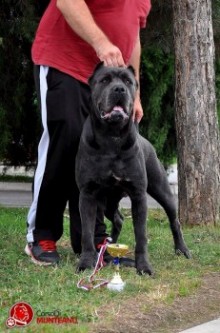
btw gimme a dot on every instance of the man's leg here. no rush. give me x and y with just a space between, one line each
59 100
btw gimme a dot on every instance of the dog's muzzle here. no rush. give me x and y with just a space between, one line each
118 112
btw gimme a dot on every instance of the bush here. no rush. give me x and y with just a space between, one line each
19 116
157 94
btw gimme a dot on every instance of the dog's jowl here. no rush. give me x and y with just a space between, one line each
113 160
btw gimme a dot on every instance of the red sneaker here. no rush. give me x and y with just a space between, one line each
43 252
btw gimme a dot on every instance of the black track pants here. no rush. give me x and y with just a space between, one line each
64 103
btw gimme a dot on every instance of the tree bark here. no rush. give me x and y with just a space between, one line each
196 115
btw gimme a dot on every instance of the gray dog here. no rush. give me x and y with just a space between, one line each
113 160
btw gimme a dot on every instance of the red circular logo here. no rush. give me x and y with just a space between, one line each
20 314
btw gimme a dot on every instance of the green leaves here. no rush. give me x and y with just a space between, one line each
157 95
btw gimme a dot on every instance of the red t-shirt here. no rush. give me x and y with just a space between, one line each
56 45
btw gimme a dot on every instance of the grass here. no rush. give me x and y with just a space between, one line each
16 179
48 289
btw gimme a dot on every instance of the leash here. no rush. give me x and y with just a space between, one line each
91 282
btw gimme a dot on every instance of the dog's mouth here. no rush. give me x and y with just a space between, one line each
117 112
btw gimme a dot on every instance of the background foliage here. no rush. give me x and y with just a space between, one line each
18 114
19 117
157 91
157 77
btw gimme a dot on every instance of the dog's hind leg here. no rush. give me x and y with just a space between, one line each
166 200
117 221
159 189
113 214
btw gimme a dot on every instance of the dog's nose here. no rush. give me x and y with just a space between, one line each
119 89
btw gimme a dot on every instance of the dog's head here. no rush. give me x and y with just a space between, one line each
113 92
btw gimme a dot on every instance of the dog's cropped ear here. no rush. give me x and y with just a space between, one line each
100 64
131 69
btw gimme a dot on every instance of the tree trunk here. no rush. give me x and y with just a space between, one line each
196 116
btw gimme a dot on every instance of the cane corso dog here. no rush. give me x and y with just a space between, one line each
114 159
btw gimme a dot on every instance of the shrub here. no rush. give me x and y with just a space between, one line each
157 94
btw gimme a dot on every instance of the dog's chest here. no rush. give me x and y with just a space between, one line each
117 179
116 173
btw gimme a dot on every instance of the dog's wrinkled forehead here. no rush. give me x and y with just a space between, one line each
103 74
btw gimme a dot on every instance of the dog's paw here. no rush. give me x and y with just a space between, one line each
183 250
86 262
143 268
82 267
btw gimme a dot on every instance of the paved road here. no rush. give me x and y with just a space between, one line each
19 195
15 194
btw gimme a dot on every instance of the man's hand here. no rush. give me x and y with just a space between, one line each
138 110
109 54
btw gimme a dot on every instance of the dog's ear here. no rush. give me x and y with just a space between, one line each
131 69
100 64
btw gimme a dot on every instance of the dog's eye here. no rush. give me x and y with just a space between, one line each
105 80
127 81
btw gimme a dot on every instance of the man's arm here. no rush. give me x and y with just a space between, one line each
135 62
79 17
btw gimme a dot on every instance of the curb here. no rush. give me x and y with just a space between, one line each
209 327
16 186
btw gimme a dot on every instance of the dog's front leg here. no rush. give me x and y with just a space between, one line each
88 210
139 214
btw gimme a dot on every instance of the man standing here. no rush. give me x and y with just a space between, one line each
72 37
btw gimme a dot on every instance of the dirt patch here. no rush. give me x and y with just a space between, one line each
136 317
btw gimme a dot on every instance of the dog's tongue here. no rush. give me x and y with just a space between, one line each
118 108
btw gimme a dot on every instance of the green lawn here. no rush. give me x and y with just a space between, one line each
48 288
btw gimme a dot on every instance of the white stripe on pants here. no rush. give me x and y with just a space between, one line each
42 154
